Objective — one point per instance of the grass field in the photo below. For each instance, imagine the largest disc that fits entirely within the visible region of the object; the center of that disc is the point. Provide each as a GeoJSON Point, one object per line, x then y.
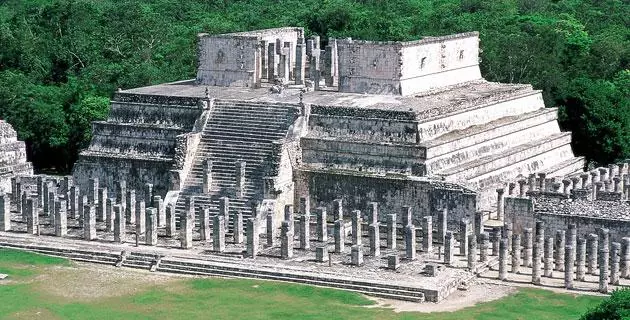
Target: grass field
{"type": "Point", "coordinates": [26, 296]}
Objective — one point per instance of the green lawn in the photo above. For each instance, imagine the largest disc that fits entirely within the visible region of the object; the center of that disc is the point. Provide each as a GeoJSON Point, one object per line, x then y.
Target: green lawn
{"type": "Point", "coordinates": [244, 299]}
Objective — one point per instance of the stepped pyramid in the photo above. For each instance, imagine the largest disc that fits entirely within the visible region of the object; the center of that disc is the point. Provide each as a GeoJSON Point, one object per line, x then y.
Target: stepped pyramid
{"type": "Point", "coordinates": [12, 157]}
{"type": "Point", "coordinates": [273, 117]}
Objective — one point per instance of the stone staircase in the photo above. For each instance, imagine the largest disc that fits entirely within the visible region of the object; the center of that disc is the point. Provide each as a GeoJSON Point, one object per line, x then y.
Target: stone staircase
{"type": "Point", "coordinates": [237, 131]}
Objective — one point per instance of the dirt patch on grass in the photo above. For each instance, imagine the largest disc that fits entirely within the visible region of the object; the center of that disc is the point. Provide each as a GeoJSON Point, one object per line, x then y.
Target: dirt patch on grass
{"type": "Point", "coordinates": [478, 292]}
{"type": "Point", "coordinates": [86, 282]}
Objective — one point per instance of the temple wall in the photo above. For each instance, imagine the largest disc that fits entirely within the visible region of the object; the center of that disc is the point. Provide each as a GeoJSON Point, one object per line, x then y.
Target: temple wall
{"type": "Point", "coordinates": [227, 61]}
{"type": "Point", "coordinates": [369, 67]}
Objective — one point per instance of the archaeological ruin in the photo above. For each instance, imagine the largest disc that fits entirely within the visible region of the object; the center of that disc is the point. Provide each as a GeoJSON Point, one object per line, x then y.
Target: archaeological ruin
{"type": "Point", "coordinates": [387, 168]}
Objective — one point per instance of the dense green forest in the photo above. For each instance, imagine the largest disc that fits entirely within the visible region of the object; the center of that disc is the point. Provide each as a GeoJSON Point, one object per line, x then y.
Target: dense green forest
{"type": "Point", "coordinates": [61, 60]}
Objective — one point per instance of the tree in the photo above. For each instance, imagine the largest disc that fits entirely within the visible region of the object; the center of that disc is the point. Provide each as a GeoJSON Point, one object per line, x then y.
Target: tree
{"type": "Point", "coordinates": [616, 307]}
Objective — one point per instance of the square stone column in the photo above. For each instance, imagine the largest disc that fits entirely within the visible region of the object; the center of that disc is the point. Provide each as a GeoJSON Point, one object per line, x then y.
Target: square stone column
{"type": "Point", "coordinates": [252, 238]}
{"type": "Point", "coordinates": [188, 224]}
{"type": "Point", "coordinates": [427, 234]}
{"type": "Point", "coordinates": [89, 223]}
{"type": "Point", "coordinates": [270, 230]}
{"type": "Point", "coordinates": [5, 212]}
{"type": "Point", "coordinates": [406, 216]}
{"type": "Point", "coordinates": [119, 224]}
{"type": "Point", "coordinates": [322, 228]}
{"type": "Point", "coordinates": [340, 236]}
{"type": "Point", "coordinates": [375, 240]}
{"type": "Point", "coordinates": [356, 227]}
{"type": "Point", "coordinates": [357, 255]}
{"type": "Point", "coordinates": [147, 193]}
{"type": "Point", "coordinates": [100, 206]}
{"type": "Point", "coordinates": [121, 193]}
{"type": "Point", "coordinates": [204, 225]}
{"type": "Point", "coordinates": [337, 209]}
{"type": "Point", "coordinates": [442, 224]}
{"type": "Point", "coordinates": [140, 217]}
{"type": "Point", "coordinates": [218, 233]}
{"type": "Point", "coordinates": [237, 232]}
{"type": "Point", "coordinates": [61, 219]}
{"type": "Point", "coordinates": [92, 191]}
{"type": "Point", "coordinates": [288, 216]}
{"type": "Point", "coordinates": [286, 241]}
{"type": "Point", "coordinates": [410, 242]}
{"type": "Point", "coordinates": [74, 202]}
{"type": "Point", "coordinates": [158, 203]}
{"type": "Point", "coordinates": [224, 210]}
{"type": "Point", "coordinates": [305, 230]}
{"type": "Point", "coordinates": [151, 227]}
{"type": "Point", "coordinates": [170, 221]}
{"type": "Point", "coordinates": [130, 207]}
{"type": "Point", "coordinates": [109, 215]}
{"type": "Point", "coordinates": [449, 248]}
{"type": "Point", "coordinates": [391, 231]}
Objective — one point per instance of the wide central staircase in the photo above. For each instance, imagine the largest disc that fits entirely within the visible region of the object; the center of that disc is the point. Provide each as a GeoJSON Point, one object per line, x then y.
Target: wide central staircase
{"type": "Point", "coordinates": [237, 131]}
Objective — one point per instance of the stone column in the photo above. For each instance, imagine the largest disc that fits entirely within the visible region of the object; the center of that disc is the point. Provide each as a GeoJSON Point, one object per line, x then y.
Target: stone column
{"type": "Point", "coordinates": [571, 238]}
{"type": "Point", "coordinates": [271, 61]}
{"type": "Point", "coordinates": [170, 220]}
{"type": "Point", "coordinates": [339, 236]}
{"type": "Point", "coordinates": [516, 253]}
{"type": "Point", "coordinates": [536, 258]}
{"type": "Point", "coordinates": [252, 237]}
{"type": "Point", "coordinates": [511, 187]}
{"type": "Point", "coordinates": [240, 178]}
{"type": "Point", "coordinates": [614, 263]}
{"type": "Point", "coordinates": [140, 217]}
{"type": "Point", "coordinates": [206, 178]}
{"type": "Point", "coordinates": [151, 227]}
{"type": "Point", "coordinates": [74, 202]}
{"type": "Point", "coordinates": [548, 257]}
{"type": "Point", "coordinates": [566, 183]}
{"type": "Point", "coordinates": [521, 187]}
{"type": "Point", "coordinates": [472, 252]}
{"type": "Point", "coordinates": [507, 234]}
{"type": "Point", "coordinates": [61, 219]}
{"type": "Point", "coordinates": [83, 200]}
{"type": "Point", "coordinates": [224, 210]}
{"type": "Point", "coordinates": [158, 203]}
{"type": "Point", "coordinates": [603, 260]}
{"type": "Point", "coordinates": [575, 183]}
{"type": "Point", "coordinates": [286, 241]}
{"type": "Point", "coordinates": [322, 229]}
{"type": "Point", "coordinates": [109, 215]}
{"type": "Point", "coordinates": [187, 224]}
{"type": "Point", "coordinates": [148, 194]}
{"type": "Point", "coordinates": [45, 187]}
{"type": "Point", "coordinates": [496, 237]}
{"type": "Point", "coordinates": [305, 206]}
{"type": "Point", "coordinates": [40, 191]}
{"type": "Point", "coordinates": [338, 209]}
{"type": "Point", "coordinates": [410, 242]}
{"type": "Point", "coordinates": [375, 240]}
{"type": "Point", "coordinates": [288, 216]}
{"type": "Point", "coordinates": [559, 254]}
{"type": "Point", "coordinates": [568, 267]}
{"type": "Point", "coordinates": [531, 182]}
{"type": "Point", "coordinates": [356, 227]}
{"type": "Point", "coordinates": [52, 197]}
{"type": "Point", "coordinates": [542, 182]}
{"type": "Point", "coordinates": [204, 225]}
{"type": "Point", "coordinates": [580, 271]}
{"type": "Point", "coordinates": [119, 224]}
{"type": "Point", "coordinates": [503, 257]}
{"type": "Point", "coordinates": [463, 236]}
{"type": "Point", "coordinates": [478, 226]}
{"type": "Point", "coordinates": [625, 258]}
{"type": "Point", "coordinates": [500, 215]}
{"type": "Point", "coordinates": [592, 254]}
{"type": "Point", "coordinates": [373, 212]}
{"type": "Point", "coordinates": [357, 255]}
{"type": "Point", "coordinates": [427, 234]}
{"type": "Point", "coordinates": [305, 231]}
{"type": "Point", "coordinates": [100, 207]}
{"type": "Point", "coordinates": [18, 199]}
{"type": "Point", "coordinates": [484, 243]}
{"type": "Point", "coordinates": [391, 231]}
{"type": "Point", "coordinates": [32, 222]}
{"type": "Point", "coordinates": [584, 178]}
{"type": "Point", "coordinates": [218, 233]}
{"type": "Point", "coordinates": [300, 61]}
{"type": "Point", "coordinates": [448, 247]}
{"type": "Point", "coordinates": [5, 212]}
{"type": "Point", "coordinates": [616, 181]}
{"type": "Point", "coordinates": [89, 223]}
{"type": "Point", "coordinates": [603, 174]}
{"type": "Point", "coordinates": [131, 206]}
{"type": "Point", "coordinates": [92, 191]}
{"type": "Point", "coordinates": [237, 232]}
{"type": "Point", "coordinates": [406, 216]}
{"type": "Point", "coordinates": [442, 224]}
{"type": "Point", "coordinates": [270, 229]}
{"type": "Point", "coordinates": [121, 194]}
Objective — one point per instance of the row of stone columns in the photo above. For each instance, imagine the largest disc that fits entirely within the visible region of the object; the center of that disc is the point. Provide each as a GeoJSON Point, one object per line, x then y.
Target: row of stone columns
{"type": "Point", "coordinates": [567, 253]}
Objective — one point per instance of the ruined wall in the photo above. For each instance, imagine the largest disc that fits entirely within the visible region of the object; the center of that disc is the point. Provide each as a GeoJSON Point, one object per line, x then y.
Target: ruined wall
{"type": "Point", "coordinates": [392, 193]}
{"type": "Point", "coordinates": [369, 67]}
{"type": "Point", "coordinates": [439, 61]}
{"type": "Point", "coordinates": [558, 213]}
{"type": "Point", "coordinates": [227, 60]}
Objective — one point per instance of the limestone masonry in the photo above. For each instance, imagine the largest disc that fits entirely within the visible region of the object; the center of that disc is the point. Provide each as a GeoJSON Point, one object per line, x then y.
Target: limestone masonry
{"type": "Point", "coordinates": [388, 168]}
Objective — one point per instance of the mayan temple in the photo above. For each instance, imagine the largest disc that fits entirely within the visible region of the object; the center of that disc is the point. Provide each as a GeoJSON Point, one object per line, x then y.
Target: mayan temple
{"type": "Point", "coordinates": [391, 169]}
{"type": "Point", "coordinates": [12, 157]}
{"type": "Point", "coordinates": [274, 117]}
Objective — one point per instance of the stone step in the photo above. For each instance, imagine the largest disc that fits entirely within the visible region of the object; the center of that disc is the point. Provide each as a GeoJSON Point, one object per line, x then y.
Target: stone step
{"type": "Point", "coordinates": [222, 131]}
{"type": "Point", "coordinates": [460, 146]}
{"type": "Point", "coordinates": [492, 163]}
{"type": "Point", "coordinates": [566, 168]}
{"type": "Point", "coordinates": [248, 119]}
